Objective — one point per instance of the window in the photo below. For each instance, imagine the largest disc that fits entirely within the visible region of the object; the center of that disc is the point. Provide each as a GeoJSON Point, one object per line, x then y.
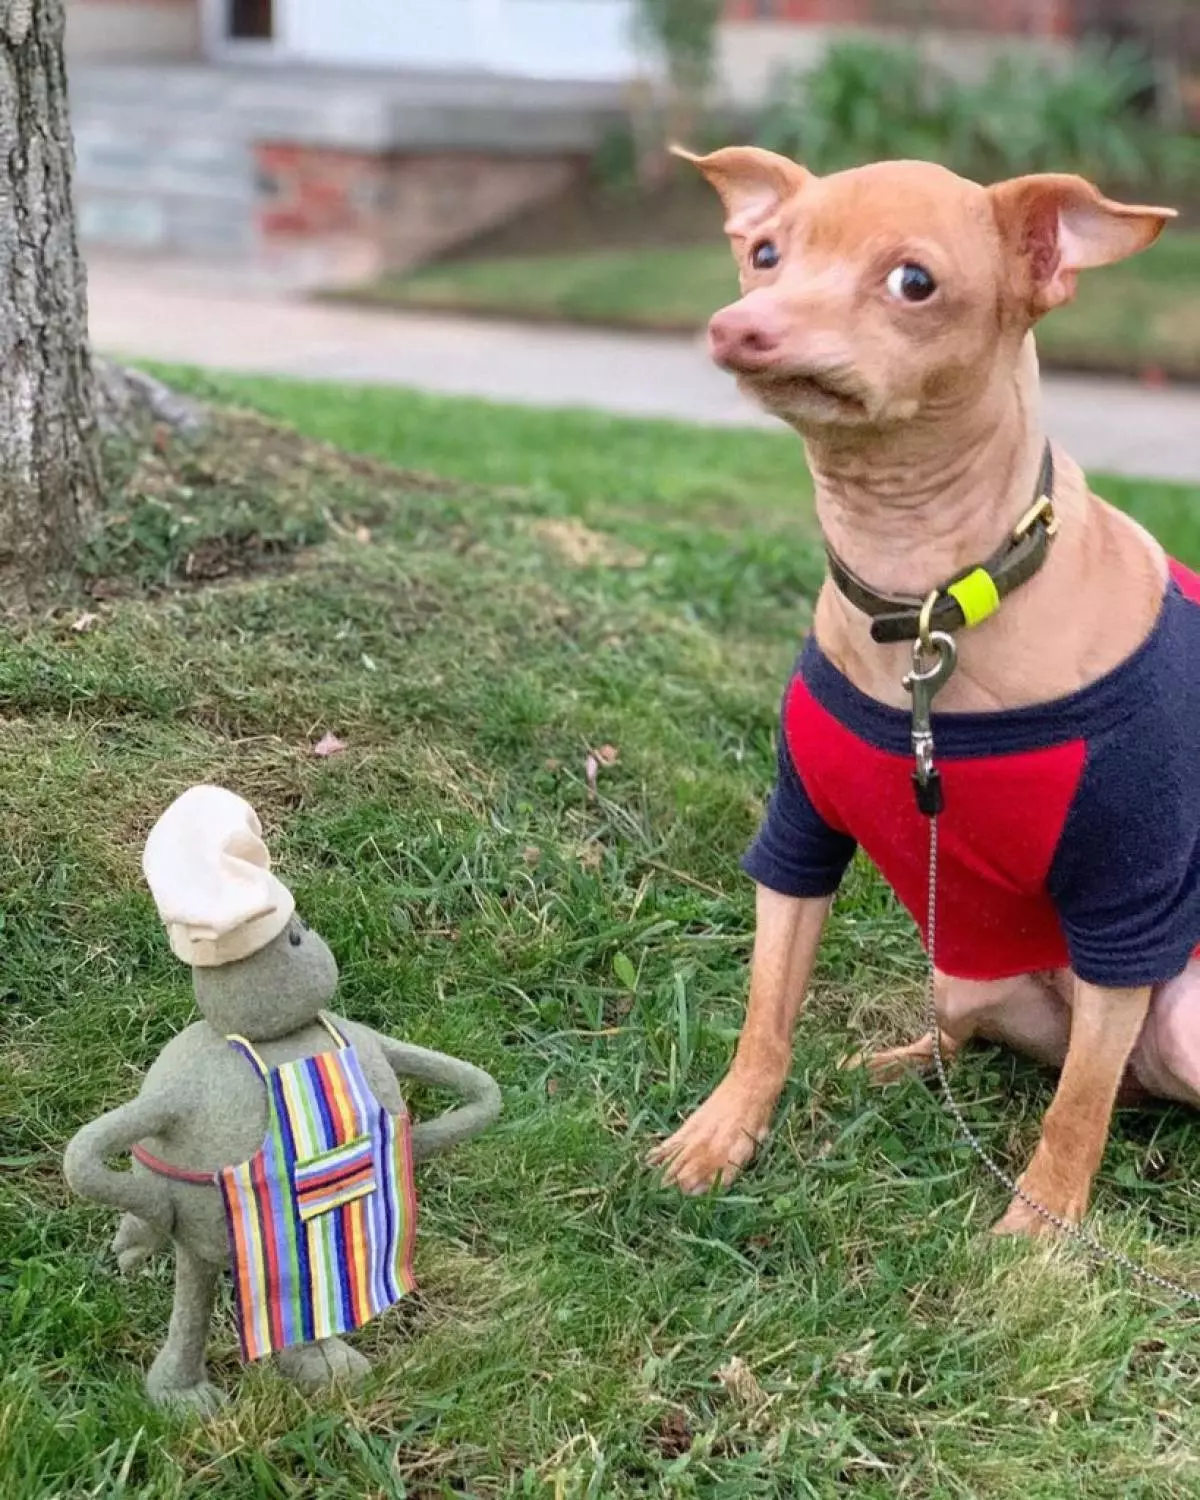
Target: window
{"type": "Point", "coordinates": [250, 20]}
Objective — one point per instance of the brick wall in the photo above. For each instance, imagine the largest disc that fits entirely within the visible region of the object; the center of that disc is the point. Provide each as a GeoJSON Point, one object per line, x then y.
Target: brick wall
{"type": "Point", "coordinates": [400, 209]}
{"type": "Point", "coordinates": [315, 190]}
{"type": "Point", "coordinates": [1175, 24]}
{"type": "Point", "coordinates": [1021, 17]}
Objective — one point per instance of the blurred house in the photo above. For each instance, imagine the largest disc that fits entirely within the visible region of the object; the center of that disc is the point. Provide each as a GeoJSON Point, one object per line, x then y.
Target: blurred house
{"type": "Point", "coordinates": [561, 39]}
{"type": "Point", "coordinates": [328, 139]}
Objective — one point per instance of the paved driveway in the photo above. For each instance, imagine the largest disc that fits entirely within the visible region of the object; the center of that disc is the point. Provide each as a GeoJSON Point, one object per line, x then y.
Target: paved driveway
{"type": "Point", "coordinates": [203, 317]}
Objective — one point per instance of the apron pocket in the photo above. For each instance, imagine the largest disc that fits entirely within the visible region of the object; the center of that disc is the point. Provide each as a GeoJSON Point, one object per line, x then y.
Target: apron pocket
{"type": "Point", "coordinates": [334, 1178]}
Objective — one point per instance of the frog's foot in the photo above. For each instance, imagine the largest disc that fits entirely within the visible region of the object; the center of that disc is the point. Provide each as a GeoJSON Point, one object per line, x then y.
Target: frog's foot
{"type": "Point", "coordinates": [169, 1387]}
{"type": "Point", "coordinates": [328, 1362]}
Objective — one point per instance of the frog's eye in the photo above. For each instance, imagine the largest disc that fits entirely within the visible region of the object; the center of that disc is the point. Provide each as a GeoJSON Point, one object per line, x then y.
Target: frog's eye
{"type": "Point", "coordinates": [295, 934]}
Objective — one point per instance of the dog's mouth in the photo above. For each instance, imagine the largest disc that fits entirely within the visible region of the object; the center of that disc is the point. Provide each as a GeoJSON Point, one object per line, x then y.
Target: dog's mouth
{"type": "Point", "coordinates": [821, 397]}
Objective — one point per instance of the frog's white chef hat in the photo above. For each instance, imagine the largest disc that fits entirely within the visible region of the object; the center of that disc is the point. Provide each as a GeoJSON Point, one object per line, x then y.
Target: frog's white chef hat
{"type": "Point", "coordinates": [210, 875]}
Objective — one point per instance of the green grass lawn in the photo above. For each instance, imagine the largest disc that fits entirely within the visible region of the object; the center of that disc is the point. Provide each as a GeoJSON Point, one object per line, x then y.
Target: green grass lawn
{"type": "Point", "coordinates": [564, 583]}
{"type": "Point", "coordinates": [1143, 313]}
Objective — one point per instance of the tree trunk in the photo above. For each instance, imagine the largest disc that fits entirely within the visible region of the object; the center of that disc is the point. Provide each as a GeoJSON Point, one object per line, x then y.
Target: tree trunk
{"type": "Point", "coordinates": [49, 471]}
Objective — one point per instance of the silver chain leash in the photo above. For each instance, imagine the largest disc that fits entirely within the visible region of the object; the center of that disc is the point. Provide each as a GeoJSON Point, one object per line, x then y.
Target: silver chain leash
{"type": "Point", "coordinates": [923, 683]}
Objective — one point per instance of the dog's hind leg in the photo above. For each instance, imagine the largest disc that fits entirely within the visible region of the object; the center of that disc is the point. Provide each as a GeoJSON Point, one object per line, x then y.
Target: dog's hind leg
{"type": "Point", "coordinates": [1105, 1027]}
{"type": "Point", "coordinates": [1166, 1060]}
{"type": "Point", "coordinates": [896, 1062]}
{"type": "Point", "coordinates": [1025, 1013]}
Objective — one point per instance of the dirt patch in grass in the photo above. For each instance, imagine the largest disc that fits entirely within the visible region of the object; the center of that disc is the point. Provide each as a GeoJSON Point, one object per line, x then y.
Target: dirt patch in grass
{"type": "Point", "coordinates": [673, 1436]}
{"type": "Point", "coordinates": [583, 547]}
{"type": "Point", "coordinates": [245, 496]}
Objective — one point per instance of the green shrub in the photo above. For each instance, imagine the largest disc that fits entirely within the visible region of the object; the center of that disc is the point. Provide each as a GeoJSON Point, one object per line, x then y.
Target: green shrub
{"type": "Point", "coordinates": [684, 33]}
{"type": "Point", "coordinates": [865, 101]}
{"type": "Point", "coordinates": [871, 100]}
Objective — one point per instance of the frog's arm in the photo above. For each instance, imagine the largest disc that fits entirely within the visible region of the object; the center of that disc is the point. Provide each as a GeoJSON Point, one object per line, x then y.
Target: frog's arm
{"type": "Point", "coordinates": [112, 1134]}
{"type": "Point", "coordinates": [479, 1089]}
{"type": "Point", "coordinates": [136, 1241]}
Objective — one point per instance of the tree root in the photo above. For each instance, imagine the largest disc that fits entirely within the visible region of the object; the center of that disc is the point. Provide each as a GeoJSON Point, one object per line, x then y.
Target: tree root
{"type": "Point", "coordinates": [129, 402]}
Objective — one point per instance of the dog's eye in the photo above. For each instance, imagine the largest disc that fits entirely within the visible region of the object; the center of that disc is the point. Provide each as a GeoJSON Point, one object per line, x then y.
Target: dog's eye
{"type": "Point", "coordinates": [911, 283]}
{"type": "Point", "coordinates": [765, 255]}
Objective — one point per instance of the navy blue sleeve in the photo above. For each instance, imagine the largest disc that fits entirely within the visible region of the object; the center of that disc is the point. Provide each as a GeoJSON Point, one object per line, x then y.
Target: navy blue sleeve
{"type": "Point", "coordinates": [1126, 874]}
{"type": "Point", "coordinates": [796, 852]}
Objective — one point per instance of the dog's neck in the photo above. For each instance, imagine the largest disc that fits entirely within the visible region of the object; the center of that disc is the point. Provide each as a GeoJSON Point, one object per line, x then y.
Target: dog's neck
{"type": "Point", "coordinates": [908, 506]}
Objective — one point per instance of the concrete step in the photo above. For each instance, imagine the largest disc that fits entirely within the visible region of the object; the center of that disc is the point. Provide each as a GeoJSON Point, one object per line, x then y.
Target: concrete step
{"type": "Point", "coordinates": [115, 155]}
{"type": "Point", "coordinates": [166, 159]}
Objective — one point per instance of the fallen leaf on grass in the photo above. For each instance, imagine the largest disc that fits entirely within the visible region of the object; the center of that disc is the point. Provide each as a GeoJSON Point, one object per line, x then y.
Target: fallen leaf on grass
{"type": "Point", "coordinates": [328, 745]}
{"type": "Point", "coordinates": [741, 1383]}
{"type": "Point", "coordinates": [607, 755]}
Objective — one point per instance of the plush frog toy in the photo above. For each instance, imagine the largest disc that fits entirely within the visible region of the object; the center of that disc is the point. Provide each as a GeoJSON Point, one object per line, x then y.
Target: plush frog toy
{"type": "Point", "coordinates": [270, 1137]}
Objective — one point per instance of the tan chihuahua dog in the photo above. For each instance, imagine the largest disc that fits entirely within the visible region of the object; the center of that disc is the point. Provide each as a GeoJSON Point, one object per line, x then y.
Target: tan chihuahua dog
{"type": "Point", "coordinates": [886, 315]}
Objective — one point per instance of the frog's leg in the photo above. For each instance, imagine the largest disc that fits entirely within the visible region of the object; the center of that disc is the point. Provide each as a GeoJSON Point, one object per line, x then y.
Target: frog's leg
{"type": "Point", "coordinates": [326, 1362]}
{"type": "Point", "coordinates": [178, 1377]}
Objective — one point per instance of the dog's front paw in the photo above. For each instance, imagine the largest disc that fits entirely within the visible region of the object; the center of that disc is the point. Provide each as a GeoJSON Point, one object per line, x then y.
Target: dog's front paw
{"type": "Point", "coordinates": [1020, 1219]}
{"type": "Point", "coordinates": [714, 1144]}
{"type": "Point", "coordinates": [1066, 1201]}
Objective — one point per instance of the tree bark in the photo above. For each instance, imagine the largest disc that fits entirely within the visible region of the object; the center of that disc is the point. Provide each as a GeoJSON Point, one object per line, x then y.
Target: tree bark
{"type": "Point", "coordinates": [49, 467]}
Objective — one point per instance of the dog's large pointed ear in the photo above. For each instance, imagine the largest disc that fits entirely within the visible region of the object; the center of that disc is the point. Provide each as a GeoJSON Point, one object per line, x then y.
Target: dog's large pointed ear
{"type": "Point", "coordinates": [751, 183]}
{"type": "Point", "coordinates": [1056, 225]}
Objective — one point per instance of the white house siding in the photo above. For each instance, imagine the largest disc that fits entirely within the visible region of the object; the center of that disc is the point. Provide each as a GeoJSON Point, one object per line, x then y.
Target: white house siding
{"type": "Point", "coordinates": [568, 40]}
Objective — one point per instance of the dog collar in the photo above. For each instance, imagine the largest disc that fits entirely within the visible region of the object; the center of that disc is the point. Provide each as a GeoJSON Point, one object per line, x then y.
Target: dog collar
{"type": "Point", "coordinates": [970, 596]}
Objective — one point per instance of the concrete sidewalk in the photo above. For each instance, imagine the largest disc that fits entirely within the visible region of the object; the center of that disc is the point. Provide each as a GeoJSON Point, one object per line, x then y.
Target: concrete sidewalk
{"type": "Point", "coordinates": [191, 316]}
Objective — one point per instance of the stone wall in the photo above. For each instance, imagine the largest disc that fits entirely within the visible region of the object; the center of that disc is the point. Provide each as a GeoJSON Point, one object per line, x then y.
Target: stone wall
{"type": "Point", "coordinates": [162, 162]}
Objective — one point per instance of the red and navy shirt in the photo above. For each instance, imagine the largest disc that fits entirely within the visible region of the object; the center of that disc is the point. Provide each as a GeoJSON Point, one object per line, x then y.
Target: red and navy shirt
{"type": "Point", "coordinates": [1071, 830]}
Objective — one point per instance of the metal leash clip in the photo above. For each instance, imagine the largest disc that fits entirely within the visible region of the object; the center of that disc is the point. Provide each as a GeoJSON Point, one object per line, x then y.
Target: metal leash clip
{"type": "Point", "coordinates": [934, 658]}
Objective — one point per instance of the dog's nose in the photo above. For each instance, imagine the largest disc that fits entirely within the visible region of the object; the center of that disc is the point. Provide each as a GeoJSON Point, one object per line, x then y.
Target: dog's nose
{"type": "Point", "coordinates": [744, 338]}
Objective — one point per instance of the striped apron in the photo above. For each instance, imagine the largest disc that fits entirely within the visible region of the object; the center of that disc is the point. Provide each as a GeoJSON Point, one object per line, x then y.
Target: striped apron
{"type": "Point", "coordinates": [322, 1218]}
